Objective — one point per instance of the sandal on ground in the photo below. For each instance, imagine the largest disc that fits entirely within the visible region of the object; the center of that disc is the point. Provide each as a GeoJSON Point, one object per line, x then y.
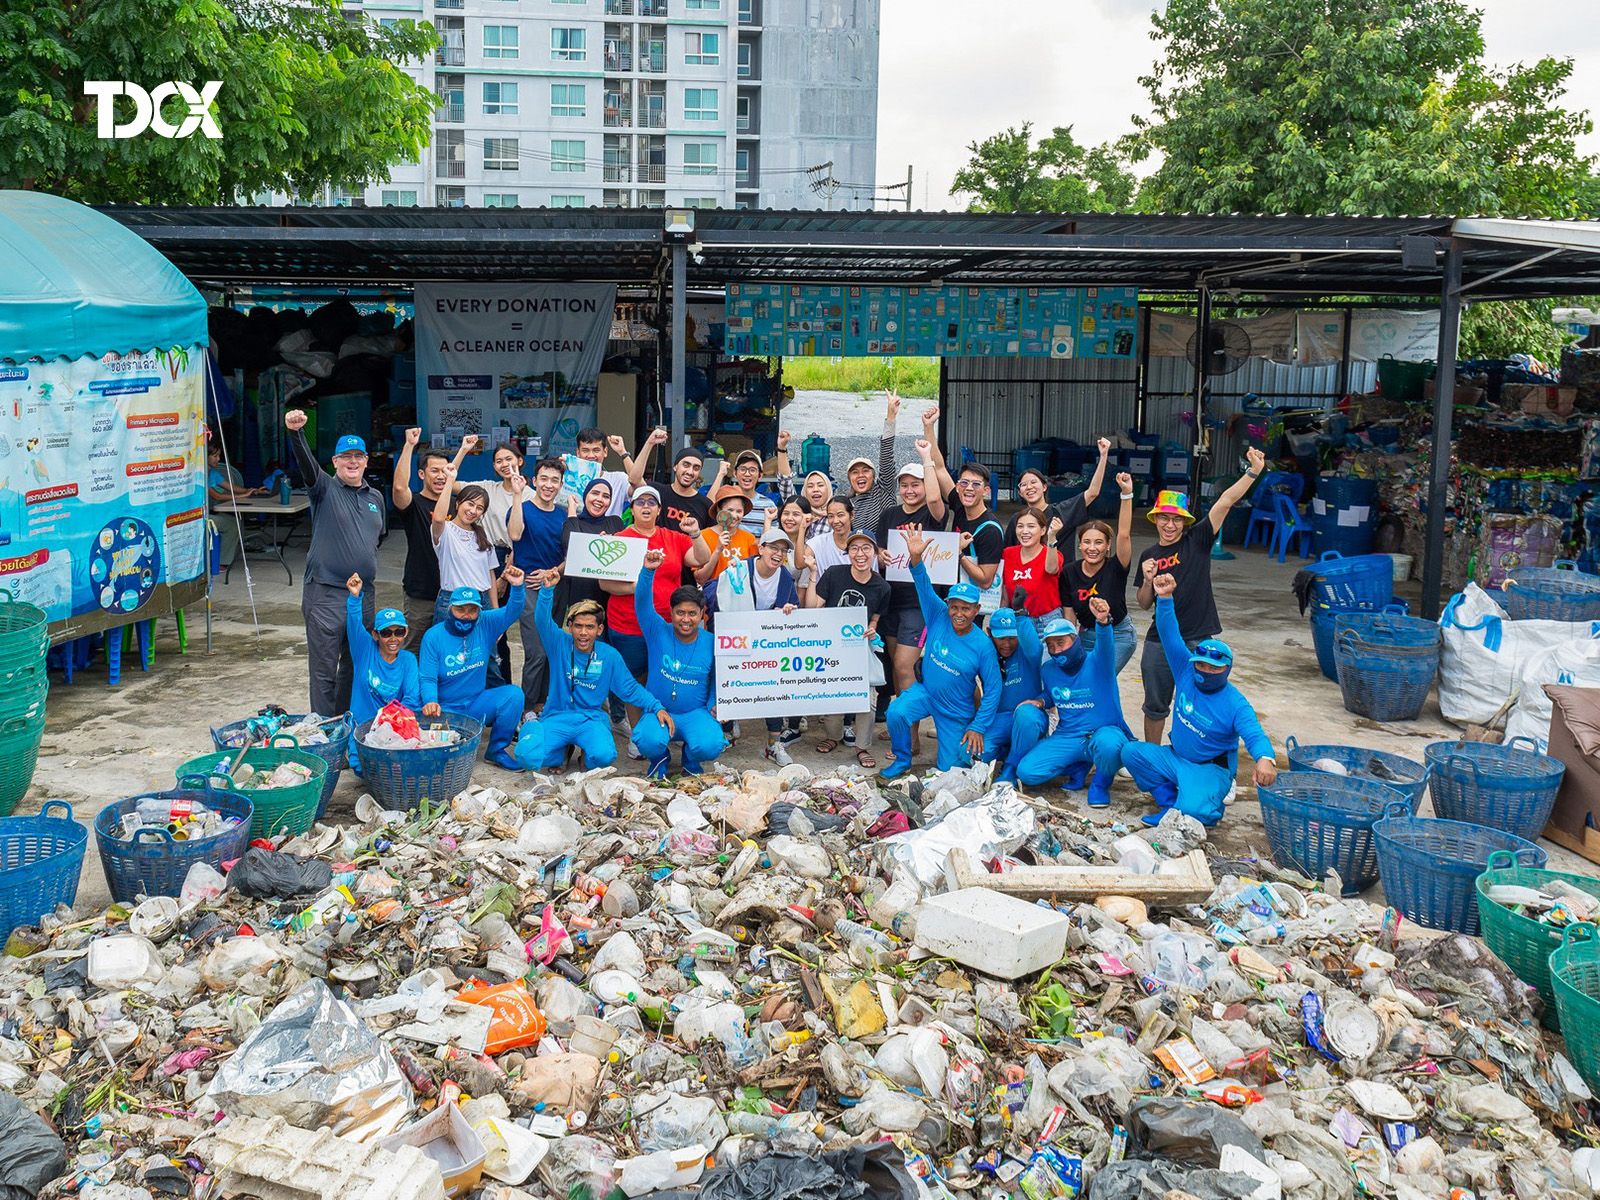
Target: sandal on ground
{"type": "Point", "coordinates": [827, 746]}
{"type": "Point", "coordinates": [866, 760]}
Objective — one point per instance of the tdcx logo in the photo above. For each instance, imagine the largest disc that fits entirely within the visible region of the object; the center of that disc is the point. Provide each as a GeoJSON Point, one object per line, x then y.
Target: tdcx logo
{"type": "Point", "coordinates": [147, 108]}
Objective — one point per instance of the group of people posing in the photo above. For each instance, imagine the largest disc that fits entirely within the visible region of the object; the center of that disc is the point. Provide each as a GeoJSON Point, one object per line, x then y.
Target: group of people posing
{"type": "Point", "coordinates": [1036, 692]}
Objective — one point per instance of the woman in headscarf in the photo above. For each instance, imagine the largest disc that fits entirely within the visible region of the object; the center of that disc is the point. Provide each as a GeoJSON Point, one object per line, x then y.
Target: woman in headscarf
{"type": "Point", "coordinates": [590, 516]}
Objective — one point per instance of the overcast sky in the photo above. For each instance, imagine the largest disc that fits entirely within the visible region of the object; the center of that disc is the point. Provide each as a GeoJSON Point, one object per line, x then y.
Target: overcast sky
{"type": "Point", "coordinates": [954, 71]}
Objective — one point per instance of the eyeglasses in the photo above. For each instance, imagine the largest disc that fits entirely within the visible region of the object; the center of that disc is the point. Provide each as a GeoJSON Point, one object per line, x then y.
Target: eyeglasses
{"type": "Point", "coordinates": [969, 483]}
{"type": "Point", "coordinates": [395, 632]}
{"type": "Point", "coordinates": [647, 502]}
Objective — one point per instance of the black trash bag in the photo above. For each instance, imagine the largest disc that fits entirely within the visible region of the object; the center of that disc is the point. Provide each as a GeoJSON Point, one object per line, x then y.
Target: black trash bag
{"type": "Point", "coordinates": [858, 1173]}
{"type": "Point", "coordinates": [778, 818]}
{"type": "Point", "coordinates": [30, 1154]}
{"type": "Point", "coordinates": [1132, 1180]}
{"type": "Point", "coordinates": [1185, 1131]}
{"type": "Point", "coordinates": [278, 876]}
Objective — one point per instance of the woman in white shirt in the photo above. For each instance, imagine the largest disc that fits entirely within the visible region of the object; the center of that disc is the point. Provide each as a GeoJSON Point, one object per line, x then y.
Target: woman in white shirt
{"type": "Point", "coordinates": [828, 549]}
{"type": "Point", "coordinates": [466, 557]}
{"type": "Point", "coordinates": [502, 492]}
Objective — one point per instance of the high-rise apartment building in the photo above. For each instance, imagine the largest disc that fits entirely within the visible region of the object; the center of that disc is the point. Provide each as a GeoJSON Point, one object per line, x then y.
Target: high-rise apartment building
{"type": "Point", "coordinates": [710, 103]}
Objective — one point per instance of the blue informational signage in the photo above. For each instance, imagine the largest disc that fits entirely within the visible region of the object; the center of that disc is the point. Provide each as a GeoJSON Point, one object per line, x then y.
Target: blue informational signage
{"type": "Point", "coordinates": [850, 321]}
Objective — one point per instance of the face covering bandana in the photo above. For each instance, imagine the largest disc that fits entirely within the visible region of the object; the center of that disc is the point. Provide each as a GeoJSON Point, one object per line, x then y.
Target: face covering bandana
{"type": "Point", "coordinates": [1210, 683]}
{"type": "Point", "coordinates": [1072, 657]}
{"type": "Point", "coordinates": [460, 626]}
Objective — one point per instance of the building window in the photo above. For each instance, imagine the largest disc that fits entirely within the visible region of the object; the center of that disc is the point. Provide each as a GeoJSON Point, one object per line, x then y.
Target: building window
{"type": "Point", "coordinates": [500, 154]}
{"type": "Point", "coordinates": [699, 201]}
{"type": "Point", "coordinates": [500, 200]}
{"type": "Point", "coordinates": [451, 197]}
{"type": "Point", "coordinates": [568, 200]}
{"type": "Point", "coordinates": [705, 5]}
{"type": "Point", "coordinates": [747, 12]}
{"type": "Point", "coordinates": [500, 99]}
{"type": "Point", "coordinates": [701, 49]}
{"type": "Point", "coordinates": [500, 41]}
{"type": "Point", "coordinates": [568, 45]}
{"type": "Point", "coordinates": [568, 99]}
{"type": "Point", "coordinates": [389, 22]}
{"type": "Point", "coordinates": [744, 60]}
{"type": "Point", "coordinates": [699, 104]}
{"type": "Point", "coordinates": [566, 155]}
{"type": "Point", "coordinates": [741, 161]}
{"type": "Point", "coordinates": [741, 113]}
{"type": "Point", "coordinates": [399, 197]}
{"type": "Point", "coordinates": [700, 158]}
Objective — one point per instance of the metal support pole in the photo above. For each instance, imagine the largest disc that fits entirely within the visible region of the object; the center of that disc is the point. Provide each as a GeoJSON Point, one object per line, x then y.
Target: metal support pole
{"type": "Point", "coordinates": [1202, 339]}
{"type": "Point", "coordinates": [1443, 410]}
{"type": "Point", "coordinates": [680, 366]}
{"type": "Point", "coordinates": [1141, 382]}
{"type": "Point", "coordinates": [1343, 385]}
{"type": "Point", "coordinates": [947, 433]}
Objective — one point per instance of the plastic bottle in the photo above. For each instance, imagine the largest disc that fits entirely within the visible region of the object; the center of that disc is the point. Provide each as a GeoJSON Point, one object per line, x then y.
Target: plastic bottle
{"type": "Point", "coordinates": [853, 931]}
{"type": "Point", "coordinates": [283, 490]}
{"type": "Point", "coordinates": [755, 1125]}
{"type": "Point", "coordinates": [894, 903]}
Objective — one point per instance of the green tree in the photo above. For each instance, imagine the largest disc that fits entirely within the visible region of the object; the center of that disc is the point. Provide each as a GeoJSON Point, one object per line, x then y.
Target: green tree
{"type": "Point", "coordinates": [1383, 107]}
{"type": "Point", "coordinates": [1009, 173]}
{"type": "Point", "coordinates": [308, 97]}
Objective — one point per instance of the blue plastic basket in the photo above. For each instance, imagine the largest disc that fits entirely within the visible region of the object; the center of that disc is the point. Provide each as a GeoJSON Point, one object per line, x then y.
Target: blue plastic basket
{"type": "Point", "coordinates": [1404, 775]}
{"type": "Point", "coordinates": [1360, 583]}
{"type": "Point", "coordinates": [1317, 822]}
{"type": "Point", "coordinates": [1385, 663]}
{"type": "Point", "coordinates": [1502, 786]}
{"type": "Point", "coordinates": [1322, 639]}
{"type": "Point", "coordinates": [1558, 593]}
{"type": "Point", "coordinates": [401, 779]}
{"type": "Point", "coordinates": [152, 862]}
{"type": "Point", "coordinates": [1430, 868]}
{"type": "Point", "coordinates": [40, 860]}
{"type": "Point", "coordinates": [335, 751]}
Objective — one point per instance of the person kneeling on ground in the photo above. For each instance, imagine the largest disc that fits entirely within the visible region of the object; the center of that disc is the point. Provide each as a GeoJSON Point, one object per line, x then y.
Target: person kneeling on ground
{"type": "Point", "coordinates": [455, 666]}
{"type": "Point", "coordinates": [959, 655]}
{"type": "Point", "coordinates": [385, 671]}
{"type": "Point", "coordinates": [1021, 721]}
{"type": "Point", "coordinates": [1196, 770]}
{"type": "Point", "coordinates": [584, 672]}
{"type": "Point", "coordinates": [682, 661]}
{"type": "Point", "coordinates": [1089, 723]}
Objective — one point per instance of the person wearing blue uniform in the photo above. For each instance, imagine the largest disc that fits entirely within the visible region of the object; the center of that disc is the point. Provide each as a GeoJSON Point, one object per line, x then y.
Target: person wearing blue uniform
{"type": "Point", "coordinates": [384, 670]}
{"type": "Point", "coordinates": [1082, 685]}
{"type": "Point", "coordinates": [958, 657]}
{"type": "Point", "coordinates": [682, 661]}
{"type": "Point", "coordinates": [1021, 721]}
{"type": "Point", "coordinates": [584, 673]}
{"type": "Point", "coordinates": [1195, 771]}
{"type": "Point", "coordinates": [455, 666]}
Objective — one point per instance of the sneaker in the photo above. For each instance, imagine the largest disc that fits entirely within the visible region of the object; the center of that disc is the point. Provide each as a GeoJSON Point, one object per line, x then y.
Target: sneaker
{"type": "Point", "coordinates": [1233, 790]}
{"type": "Point", "coordinates": [633, 752]}
{"type": "Point", "coordinates": [789, 737]}
{"type": "Point", "coordinates": [849, 738]}
{"type": "Point", "coordinates": [623, 726]}
{"type": "Point", "coordinates": [503, 760]}
{"type": "Point", "coordinates": [779, 755]}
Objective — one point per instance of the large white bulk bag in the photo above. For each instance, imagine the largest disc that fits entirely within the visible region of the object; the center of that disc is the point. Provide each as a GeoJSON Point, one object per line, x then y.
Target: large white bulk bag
{"type": "Point", "coordinates": [1484, 653]}
{"type": "Point", "coordinates": [1578, 666]}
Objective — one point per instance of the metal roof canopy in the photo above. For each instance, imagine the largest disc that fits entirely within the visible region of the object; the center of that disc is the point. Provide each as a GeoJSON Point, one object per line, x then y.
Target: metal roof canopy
{"type": "Point", "coordinates": [1281, 255]}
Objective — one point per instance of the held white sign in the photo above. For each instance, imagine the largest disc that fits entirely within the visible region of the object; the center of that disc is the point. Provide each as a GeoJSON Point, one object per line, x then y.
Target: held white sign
{"type": "Point", "coordinates": [813, 661]}
{"type": "Point", "coordinates": [147, 108]}
{"type": "Point", "coordinates": [939, 557]}
{"type": "Point", "coordinates": [599, 556]}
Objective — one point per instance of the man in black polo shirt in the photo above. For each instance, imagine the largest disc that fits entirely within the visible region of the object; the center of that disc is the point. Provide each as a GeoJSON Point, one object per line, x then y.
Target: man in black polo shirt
{"type": "Point", "coordinates": [347, 519]}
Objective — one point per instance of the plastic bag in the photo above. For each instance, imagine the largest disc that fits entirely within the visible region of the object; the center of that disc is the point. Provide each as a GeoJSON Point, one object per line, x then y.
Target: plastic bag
{"type": "Point", "coordinates": [859, 1173]}
{"type": "Point", "coordinates": [399, 719]}
{"type": "Point", "coordinates": [668, 1121]}
{"type": "Point", "coordinates": [1186, 1132]}
{"type": "Point", "coordinates": [269, 873]}
{"type": "Point", "coordinates": [1484, 651]}
{"type": "Point", "coordinates": [1573, 665]}
{"type": "Point", "coordinates": [516, 1021]}
{"type": "Point", "coordinates": [314, 1062]}
{"type": "Point", "coordinates": [30, 1154]}
{"type": "Point", "coordinates": [996, 824]}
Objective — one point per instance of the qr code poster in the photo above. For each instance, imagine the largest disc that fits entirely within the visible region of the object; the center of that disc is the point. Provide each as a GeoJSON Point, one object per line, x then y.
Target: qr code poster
{"type": "Point", "coordinates": [467, 419]}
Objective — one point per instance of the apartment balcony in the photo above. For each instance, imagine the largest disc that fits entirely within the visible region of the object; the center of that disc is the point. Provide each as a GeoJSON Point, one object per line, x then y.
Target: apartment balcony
{"type": "Point", "coordinates": [620, 117]}
{"type": "Point", "coordinates": [652, 8]}
{"type": "Point", "coordinates": [450, 56]}
{"type": "Point", "coordinates": [653, 57]}
{"type": "Point", "coordinates": [453, 5]}
{"type": "Point", "coordinates": [450, 114]}
{"type": "Point", "coordinates": [619, 8]}
{"type": "Point", "coordinates": [619, 60]}
{"type": "Point", "coordinates": [451, 170]}
{"type": "Point", "coordinates": [652, 173]}
{"type": "Point", "coordinates": [617, 173]}
{"type": "Point", "coordinates": [652, 118]}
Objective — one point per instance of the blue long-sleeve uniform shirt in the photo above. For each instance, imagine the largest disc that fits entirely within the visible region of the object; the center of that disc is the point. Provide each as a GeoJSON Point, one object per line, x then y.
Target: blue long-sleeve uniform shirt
{"type": "Point", "coordinates": [376, 682]}
{"type": "Point", "coordinates": [1205, 725]}
{"type": "Point", "coordinates": [581, 682]}
{"type": "Point", "coordinates": [455, 670]}
{"type": "Point", "coordinates": [951, 662]}
{"type": "Point", "coordinates": [1087, 699]}
{"type": "Point", "coordinates": [1019, 675]}
{"type": "Point", "coordinates": [680, 673]}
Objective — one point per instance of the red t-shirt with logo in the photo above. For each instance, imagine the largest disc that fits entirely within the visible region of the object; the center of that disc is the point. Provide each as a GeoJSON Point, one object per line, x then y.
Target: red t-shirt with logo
{"type": "Point", "coordinates": [620, 617]}
{"type": "Point", "coordinates": [1030, 579]}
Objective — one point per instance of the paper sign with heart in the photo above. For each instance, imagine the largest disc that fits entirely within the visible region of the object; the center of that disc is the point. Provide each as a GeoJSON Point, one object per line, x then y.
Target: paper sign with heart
{"type": "Point", "coordinates": [606, 551]}
{"type": "Point", "coordinates": [598, 556]}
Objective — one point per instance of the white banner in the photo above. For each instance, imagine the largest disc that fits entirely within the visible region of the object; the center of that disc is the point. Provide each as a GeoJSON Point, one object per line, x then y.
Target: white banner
{"type": "Point", "coordinates": [940, 557]}
{"type": "Point", "coordinates": [1271, 336]}
{"type": "Point", "coordinates": [596, 556]}
{"type": "Point", "coordinates": [812, 662]}
{"type": "Point", "coordinates": [525, 354]}
{"type": "Point", "coordinates": [1374, 333]}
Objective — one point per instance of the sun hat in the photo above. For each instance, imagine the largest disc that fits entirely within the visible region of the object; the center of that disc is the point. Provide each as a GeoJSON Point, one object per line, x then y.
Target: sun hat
{"type": "Point", "coordinates": [1171, 504]}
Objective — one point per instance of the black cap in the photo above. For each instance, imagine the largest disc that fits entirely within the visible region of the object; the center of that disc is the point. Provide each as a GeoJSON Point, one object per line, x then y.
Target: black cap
{"type": "Point", "coordinates": [687, 452]}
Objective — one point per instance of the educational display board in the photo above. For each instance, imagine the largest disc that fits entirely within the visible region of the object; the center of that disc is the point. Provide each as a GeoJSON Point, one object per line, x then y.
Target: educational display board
{"type": "Point", "coordinates": [847, 320]}
{"type": "Point", "coordinates": [511, 355]}
{"type": "Point", "coordinates": [102, 485]}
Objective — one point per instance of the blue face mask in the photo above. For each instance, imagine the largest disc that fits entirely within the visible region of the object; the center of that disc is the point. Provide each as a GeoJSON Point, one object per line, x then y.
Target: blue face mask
{"type": "Point", "coordinates": [460, 626]}
{"type": "Point", "coordinates": [1211, 683]}
{"type": "Point", "coordinates": [1071, 658]}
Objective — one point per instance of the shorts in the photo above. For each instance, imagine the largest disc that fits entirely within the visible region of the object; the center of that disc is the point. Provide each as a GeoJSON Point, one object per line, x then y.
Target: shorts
{"type": "Point", "coordinates": [904, 625]}
{"type": "Point", "coordinates": [1158, 681]}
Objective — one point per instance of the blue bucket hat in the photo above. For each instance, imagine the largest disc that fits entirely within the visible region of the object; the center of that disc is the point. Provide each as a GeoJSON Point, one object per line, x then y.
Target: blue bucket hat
{"type": "Point", "coordinates": [466, 595]}
{"type": "Point", "coordinates": [348, 443]}
{"type": "Point", "coordinates": [1213, 653]}
{"type": "Point", "coordinates": [1003, 623]}
{"type": "Point", "coordinates": [390, 618]}
{"type": "Point", "coordinates": [964, 593]}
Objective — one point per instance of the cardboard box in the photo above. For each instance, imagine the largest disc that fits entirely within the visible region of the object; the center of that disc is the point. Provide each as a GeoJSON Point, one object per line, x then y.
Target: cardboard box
{"type": "Point", "coordinates": [1575, 741]}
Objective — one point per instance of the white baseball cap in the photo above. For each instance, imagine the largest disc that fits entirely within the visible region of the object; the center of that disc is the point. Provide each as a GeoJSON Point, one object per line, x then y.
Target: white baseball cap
{"type": "Point", "coordinates": [912, 469]}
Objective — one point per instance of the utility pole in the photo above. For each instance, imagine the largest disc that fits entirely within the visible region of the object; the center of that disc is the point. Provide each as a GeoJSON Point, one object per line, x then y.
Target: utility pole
{"type": "Point", "coordinates": [824, 182]}
{"type": "Point", "coordinates": [895, 187]}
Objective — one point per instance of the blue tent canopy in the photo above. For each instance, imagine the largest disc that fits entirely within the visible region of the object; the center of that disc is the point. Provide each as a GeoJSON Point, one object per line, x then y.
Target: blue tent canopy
{"type": "Point", "coordinates": [76, 282]}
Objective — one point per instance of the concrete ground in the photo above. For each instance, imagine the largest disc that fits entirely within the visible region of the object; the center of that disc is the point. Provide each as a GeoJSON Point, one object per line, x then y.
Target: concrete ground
{"type": "Point", "coordinates": [102, 744]}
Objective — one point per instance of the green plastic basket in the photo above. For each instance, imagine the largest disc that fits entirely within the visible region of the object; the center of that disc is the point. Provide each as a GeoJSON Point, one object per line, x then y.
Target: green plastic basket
{"type": "Point", "coordinates": [24, 630]}
{"type": "Point", "coordinates": [1522, 943]}
{"type": "Point", "coordinates": [277, 810]}
{"type": "Point", "coordinates": [1575, 972]}
{"type": "Point", "coordinates": [19, 754]}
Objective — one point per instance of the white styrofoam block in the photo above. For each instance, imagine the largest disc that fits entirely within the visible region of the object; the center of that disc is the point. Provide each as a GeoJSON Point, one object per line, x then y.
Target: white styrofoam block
{"type": "Point", "coordinates": [991, 932]}
{"type": "Point", "coordinates": [272, 1160]}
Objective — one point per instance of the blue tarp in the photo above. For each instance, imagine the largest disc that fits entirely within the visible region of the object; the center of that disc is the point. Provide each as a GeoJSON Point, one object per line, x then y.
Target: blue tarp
{"type": "Point", "coordinates": [75, 282]}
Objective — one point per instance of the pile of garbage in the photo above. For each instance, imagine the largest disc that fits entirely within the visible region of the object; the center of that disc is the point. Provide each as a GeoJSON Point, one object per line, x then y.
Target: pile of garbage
{"type": "Point", "coordinates": [274, 721]}
{"type": "Point", "coordinates": [396, 728]}
{"type": "Point", "coordinates": [771, 985]}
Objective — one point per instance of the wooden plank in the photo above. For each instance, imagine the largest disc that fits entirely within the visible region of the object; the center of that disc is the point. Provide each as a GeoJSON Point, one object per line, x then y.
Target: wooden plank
{"type": "Point", "coordinates": [1191, 885]}
{"type": "Point", "coordinates": [1588, 845]}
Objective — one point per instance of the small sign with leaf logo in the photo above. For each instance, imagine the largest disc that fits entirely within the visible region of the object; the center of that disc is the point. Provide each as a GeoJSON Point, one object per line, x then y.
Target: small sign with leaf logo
{"type": "Point", "coordinates": [601, 556]}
